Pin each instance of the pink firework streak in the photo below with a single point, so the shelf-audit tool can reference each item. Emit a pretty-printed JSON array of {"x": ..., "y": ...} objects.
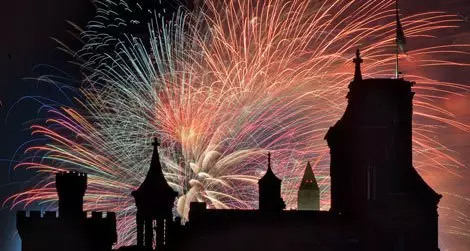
[{"x": 223, "y": 85}]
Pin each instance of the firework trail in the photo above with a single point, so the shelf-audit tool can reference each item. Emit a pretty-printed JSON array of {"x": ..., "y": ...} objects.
[{"x": 222, "y": 85}]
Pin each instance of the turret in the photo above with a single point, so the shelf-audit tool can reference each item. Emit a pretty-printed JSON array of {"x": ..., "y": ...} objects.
[
  {"x": 71, "y": 187},
  {"x": 154, "y": 201},
  {"x": 270, "y": 191},
  {"x": 309, "y": 193}
]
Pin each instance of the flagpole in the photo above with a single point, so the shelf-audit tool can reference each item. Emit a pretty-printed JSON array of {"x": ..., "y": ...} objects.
[{"x": 396, "y": 43}]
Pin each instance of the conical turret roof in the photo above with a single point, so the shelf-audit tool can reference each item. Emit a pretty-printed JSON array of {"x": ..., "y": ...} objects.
[{"x": 155, "y": 187}]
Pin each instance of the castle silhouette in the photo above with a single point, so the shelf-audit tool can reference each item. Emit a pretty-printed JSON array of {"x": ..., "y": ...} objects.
[
  {"x": 72, "y": 229},
  {"x": 378, "y": 200}
]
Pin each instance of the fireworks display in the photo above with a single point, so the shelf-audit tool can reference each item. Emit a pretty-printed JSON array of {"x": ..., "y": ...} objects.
[{"x": 223, "y": 84}]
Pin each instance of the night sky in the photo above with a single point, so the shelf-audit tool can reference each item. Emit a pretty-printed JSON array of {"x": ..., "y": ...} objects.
[{"x": 27, "y": 51}]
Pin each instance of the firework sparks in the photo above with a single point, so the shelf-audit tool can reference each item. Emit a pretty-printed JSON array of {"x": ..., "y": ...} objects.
[{"x": 222, "y": 85}]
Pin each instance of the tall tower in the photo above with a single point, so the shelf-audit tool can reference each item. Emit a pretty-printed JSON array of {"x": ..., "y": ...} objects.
[
  {"x": 270, "y": 191},
  {"x": 154, "y": 200},
  {"x": 372, "y": 174},
  {"x": 71, "y": 187},
  {"x": 309, "y": 193}
]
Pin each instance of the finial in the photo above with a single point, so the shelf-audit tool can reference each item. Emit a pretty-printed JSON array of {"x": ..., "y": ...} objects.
[
  {"x": 358, "y": 61},
  {"x": 155, "y": 142},
  {"x": 269, "y": 175}
]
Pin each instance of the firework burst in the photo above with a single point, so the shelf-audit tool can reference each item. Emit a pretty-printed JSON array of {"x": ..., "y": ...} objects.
[{"x": 221, "y": 86}]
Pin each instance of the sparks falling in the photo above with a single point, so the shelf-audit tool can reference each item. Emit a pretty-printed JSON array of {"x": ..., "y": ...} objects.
[{"x": 222, "y": 85}]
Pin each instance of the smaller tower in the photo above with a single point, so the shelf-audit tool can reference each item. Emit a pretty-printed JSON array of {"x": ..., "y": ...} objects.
[
  {"x": 270, "y": 191},
  {"x": 154, "y": 200},
  {"x": 309, "y": 193},
  {"x": 358, "y": 61},
  {"x": 71, "y": 187}
]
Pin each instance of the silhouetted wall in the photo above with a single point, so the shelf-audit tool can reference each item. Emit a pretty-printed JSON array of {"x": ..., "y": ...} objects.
[{"x": 72, "y": 230}]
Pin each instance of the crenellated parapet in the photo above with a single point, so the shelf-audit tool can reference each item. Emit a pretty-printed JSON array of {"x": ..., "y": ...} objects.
[
  {"x": 71, "y": 182},
  {"x": 93, "y": 216},
  {"x": 70, "y": 228},
  {"x": 71, "y": 187},
  {"x": 101, "y": 220},
  {"x": 40, "y": 231}
]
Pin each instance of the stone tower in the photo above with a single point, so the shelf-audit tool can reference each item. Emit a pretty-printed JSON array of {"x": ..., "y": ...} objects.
[
  {"x": 309, "y": 193},
  {"x": 71, "y": 187},
  {"x": 372, "y": 175}
]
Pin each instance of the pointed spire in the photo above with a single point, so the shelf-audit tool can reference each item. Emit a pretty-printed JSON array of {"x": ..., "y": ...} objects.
[
  {"x": 155, "y": 142},
  {"x": 155, "y": 166},
  {"x": 400, "y": 41},
  {"x": 269, "y": 175},
  {"x": 308, "y": 196},
  {"x": 358, "y": 61},
  {"x": 155, "y": 182},
  {"x": 308, "y": 180},
  {"x": 155, "y": 162}
]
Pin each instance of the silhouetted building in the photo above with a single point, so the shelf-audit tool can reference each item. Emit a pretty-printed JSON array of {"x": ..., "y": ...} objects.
[
  {"x": 269, "y": 187},
  {"x": 308, "y": 196},
  {"x": 269, "y": 228},
  {"x": 378, "y": 200},
  {"x": 373, "y": 181},
  {"x": 72, "y": 230},
  {"x": 154, "y": 200}
]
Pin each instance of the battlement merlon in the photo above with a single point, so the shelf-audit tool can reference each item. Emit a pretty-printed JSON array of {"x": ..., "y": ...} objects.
[
  {"x": 35, "y": 214},
  {"x": 30, "y": 224},
  {"x": 95, "y": 215},
  {"x": 104, "y": 226},
  {"x": 20, "y": 215},
  {"x": 26, "y": 220}
]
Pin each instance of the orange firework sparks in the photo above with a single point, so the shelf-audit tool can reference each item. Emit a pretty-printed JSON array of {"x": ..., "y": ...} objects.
[{"x": 224, "y": 84}]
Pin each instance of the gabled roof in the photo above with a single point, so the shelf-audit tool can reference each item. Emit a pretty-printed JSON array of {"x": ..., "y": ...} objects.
[
  {"x": 308, "y": 180},
  {"x": 269, "y": 176}
]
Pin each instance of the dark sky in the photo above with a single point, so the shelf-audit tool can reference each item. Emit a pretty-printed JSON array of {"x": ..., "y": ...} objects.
[{"x": 26, "y": 28}]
